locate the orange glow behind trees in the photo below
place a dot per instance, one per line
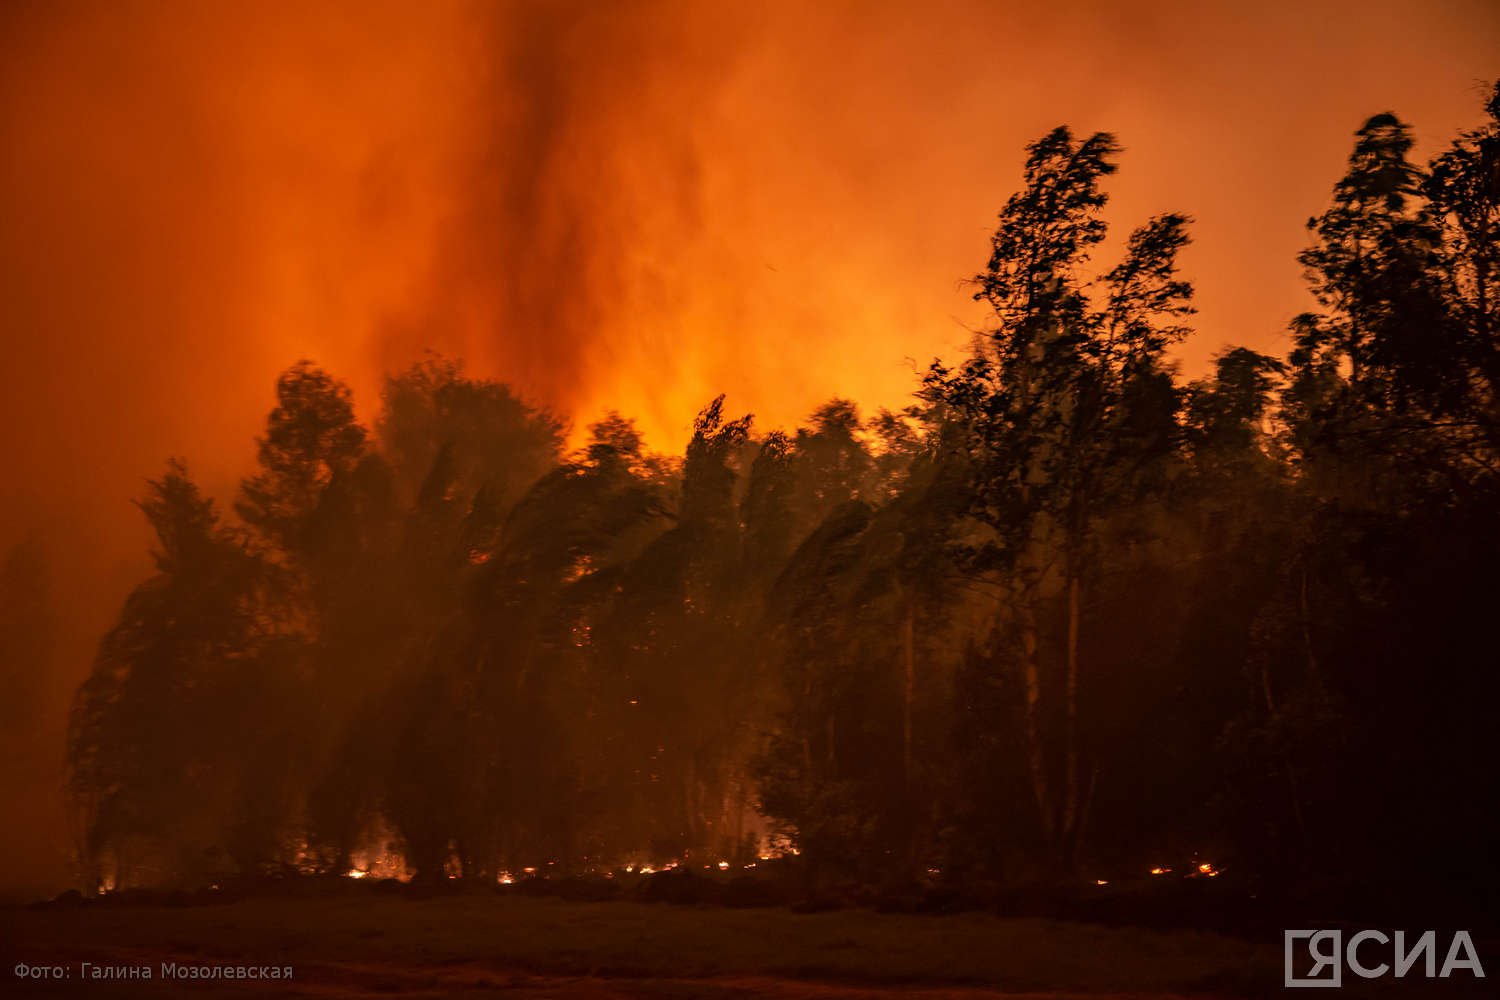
(632, 206)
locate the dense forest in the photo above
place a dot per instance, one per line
(1067, 612)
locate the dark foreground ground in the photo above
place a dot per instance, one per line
(519, 947)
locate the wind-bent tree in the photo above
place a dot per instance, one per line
(1463, 193)
(1066, 615)
(1063, 416)
(1373, 637)
(859, 623)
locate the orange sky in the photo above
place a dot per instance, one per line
(624, 204)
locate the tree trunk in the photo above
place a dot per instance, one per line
(1035, 751)
(908, 655)
(1069, 827)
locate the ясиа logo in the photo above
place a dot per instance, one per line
(1319, 957)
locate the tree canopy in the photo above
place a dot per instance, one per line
(1067, 609)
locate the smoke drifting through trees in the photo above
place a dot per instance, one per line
(1065, 609)
(773, 206)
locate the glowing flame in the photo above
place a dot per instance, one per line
(581, 568)
(1101, 881)
(506, 878)
(1160, 871)
(723, 866)
(377, 863)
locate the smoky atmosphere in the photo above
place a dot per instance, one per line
(612, 498)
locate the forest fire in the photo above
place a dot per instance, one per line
(845, 465)
(630, 555)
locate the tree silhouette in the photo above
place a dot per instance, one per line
(1066, 612)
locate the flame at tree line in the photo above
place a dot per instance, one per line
(1066, 611)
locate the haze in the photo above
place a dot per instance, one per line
(625, 205)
